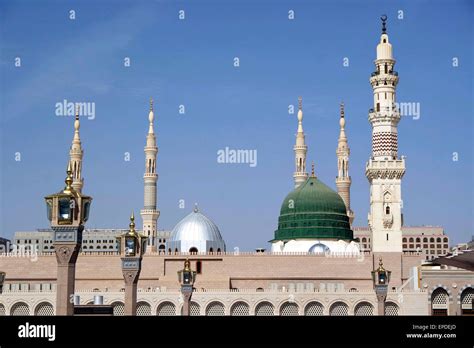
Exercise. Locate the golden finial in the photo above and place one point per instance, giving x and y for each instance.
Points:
(187, 265)
(380, 265)
(77, 111)
(342, 109)
(69, 179)
(151, 104)
(384, 23)
(300, 103)
(312, 169)
(132, 223)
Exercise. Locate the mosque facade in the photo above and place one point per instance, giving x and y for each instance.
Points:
(318, 263)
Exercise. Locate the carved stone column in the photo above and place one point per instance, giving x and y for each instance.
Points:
(66, 256)
(131, 271)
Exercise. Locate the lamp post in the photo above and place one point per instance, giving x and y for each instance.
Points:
(67, 211)
(186, 277)
(381, 279)
(132, 248)
(2, 280)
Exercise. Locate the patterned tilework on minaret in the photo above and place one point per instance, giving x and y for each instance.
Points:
(385, 169)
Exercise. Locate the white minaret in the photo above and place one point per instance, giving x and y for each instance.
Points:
(385, 169)
(343, 180)
(75, 156)
(300, 149)
(149, 212)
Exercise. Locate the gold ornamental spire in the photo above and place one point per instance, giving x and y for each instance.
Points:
(187, 265)
(380, 269)
(69, 179)
(132, 223)
(312, 170)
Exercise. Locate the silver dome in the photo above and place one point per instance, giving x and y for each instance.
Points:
(196, 231)
(319, 248)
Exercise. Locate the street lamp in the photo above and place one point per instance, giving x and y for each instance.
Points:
(186, 278)
(381, 279)
(67, 212)
(132, 248)
(2, 280)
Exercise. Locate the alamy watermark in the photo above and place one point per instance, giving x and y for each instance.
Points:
(67, 108)
(237, 156)
(410, 109)
(17, 250)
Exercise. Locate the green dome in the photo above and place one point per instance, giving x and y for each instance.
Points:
(313, 210)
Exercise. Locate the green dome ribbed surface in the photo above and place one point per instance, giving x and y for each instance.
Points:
(313, 210)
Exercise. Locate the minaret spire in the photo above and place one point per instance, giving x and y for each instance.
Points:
(384, 20)
(385, 169)
(75, 155)
(300, 149)
(343, 180)
(150, 213)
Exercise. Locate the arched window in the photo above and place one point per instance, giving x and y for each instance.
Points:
(166, 309)
(438, 240)
(385, 68)
(411, 240)
(218, 250)
(387, 210)
(439, 302)
(339, 309)
(240, 309)
(425, 240)
(431, 240)
(193, 250)
(404, 240)
(211, 250)
(364, 240)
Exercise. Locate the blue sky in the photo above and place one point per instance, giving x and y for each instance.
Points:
(190, 62)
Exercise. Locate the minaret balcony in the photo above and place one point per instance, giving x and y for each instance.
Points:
(391, 72)
(385, 169)
(385, 113)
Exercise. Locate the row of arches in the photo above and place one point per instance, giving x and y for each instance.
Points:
(425, 240)
(264, 308)
(22, 308)
(441, 297)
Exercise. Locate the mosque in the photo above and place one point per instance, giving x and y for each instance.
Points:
(317, 264)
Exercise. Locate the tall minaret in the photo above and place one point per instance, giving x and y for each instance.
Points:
(343, 180)
(149, 212)
(385, 169)
(300, 149)
(75, 155)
